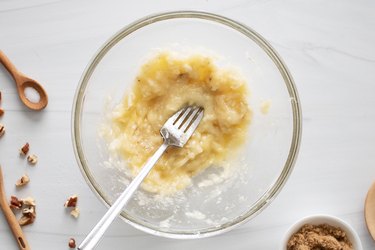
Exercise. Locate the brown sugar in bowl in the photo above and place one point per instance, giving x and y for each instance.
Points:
(325, 223)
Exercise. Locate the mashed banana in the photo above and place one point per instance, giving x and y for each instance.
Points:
(165, 84)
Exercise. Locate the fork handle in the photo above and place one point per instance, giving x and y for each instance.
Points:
(97, 232)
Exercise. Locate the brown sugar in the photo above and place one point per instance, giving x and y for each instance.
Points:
(319, 237)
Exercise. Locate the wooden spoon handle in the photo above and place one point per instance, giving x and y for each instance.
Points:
(10, 67)
(11, 219)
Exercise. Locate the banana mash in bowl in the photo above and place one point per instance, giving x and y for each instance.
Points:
(239, 157)
(165, 84)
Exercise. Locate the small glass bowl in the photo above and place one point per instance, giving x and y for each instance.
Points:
(262, 165)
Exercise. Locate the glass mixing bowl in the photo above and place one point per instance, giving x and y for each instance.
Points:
(218, 200)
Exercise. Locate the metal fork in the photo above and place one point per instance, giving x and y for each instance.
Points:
(176, 132)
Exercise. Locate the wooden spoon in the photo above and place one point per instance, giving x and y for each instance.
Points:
(11, 219)
(24, 82)
(370, 210)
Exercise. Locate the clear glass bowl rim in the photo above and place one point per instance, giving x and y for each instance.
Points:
(269, 195)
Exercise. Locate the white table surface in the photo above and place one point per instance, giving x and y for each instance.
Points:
(329, 46)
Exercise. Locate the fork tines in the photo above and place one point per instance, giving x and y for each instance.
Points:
(187, 117)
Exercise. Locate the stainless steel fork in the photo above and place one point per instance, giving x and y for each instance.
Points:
(176, 132)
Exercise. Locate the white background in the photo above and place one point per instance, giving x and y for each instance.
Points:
(329, 47)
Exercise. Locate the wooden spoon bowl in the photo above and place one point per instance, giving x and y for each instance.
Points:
(23, 82)
(30, 83)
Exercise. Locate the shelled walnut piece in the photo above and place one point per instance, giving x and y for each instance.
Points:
(75, 212)
(72, 243)
(28, 213)
(321, 236)
(28, 209)
(32, 159)
(25, 149)
(15, 202)
(71, 202)
(23, 181)
(28, 216)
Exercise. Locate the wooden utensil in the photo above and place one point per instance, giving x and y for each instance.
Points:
(11, 219)
(370, 210)
(24, 82)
